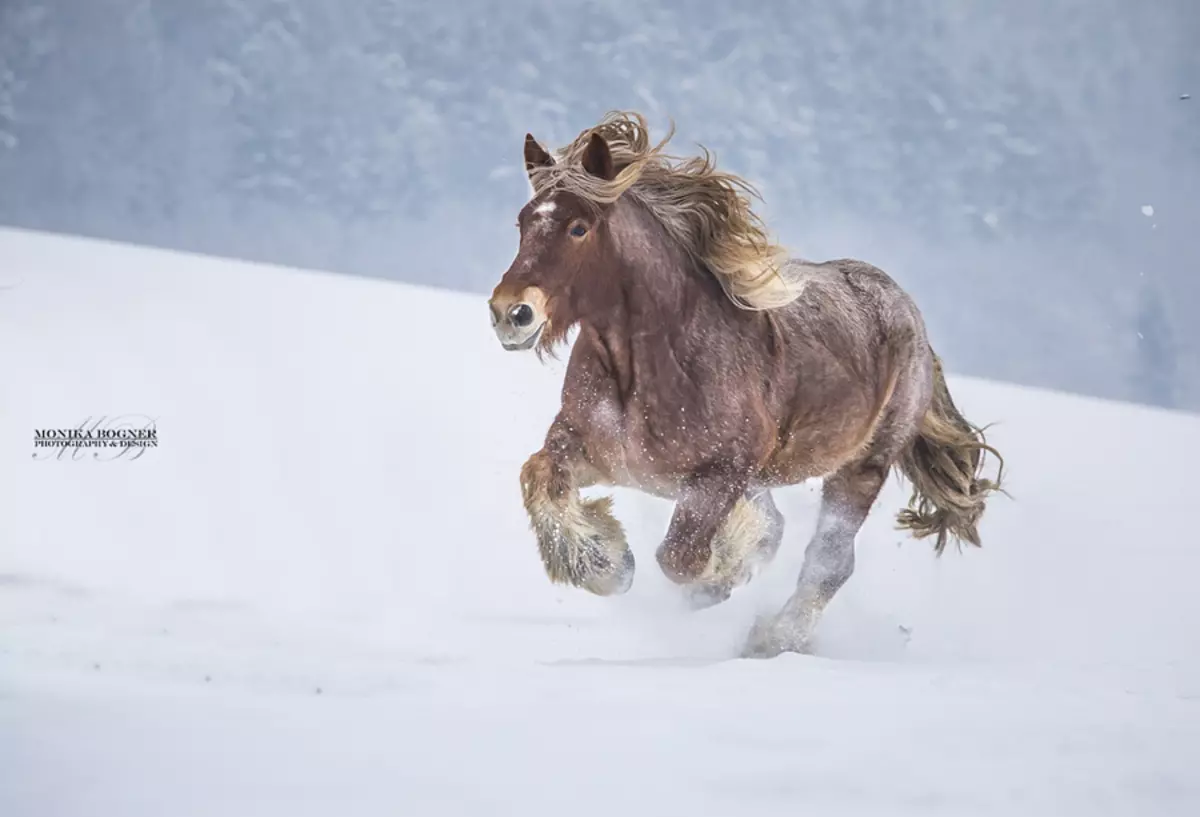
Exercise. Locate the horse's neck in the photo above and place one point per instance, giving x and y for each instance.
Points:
(656, 277)
(658, 304)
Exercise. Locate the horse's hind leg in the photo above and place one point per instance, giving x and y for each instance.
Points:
(828, 560)
(747, 541)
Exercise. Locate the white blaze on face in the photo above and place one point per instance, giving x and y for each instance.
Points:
(543, 214)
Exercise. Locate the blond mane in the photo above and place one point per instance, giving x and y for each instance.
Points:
(708, 211)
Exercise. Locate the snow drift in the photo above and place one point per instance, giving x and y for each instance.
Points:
(319, 593)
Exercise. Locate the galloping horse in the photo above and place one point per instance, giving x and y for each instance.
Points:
(709, 368)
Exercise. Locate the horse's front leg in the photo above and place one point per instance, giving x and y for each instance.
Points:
(580, 542)
(703, 507)
(747, 540)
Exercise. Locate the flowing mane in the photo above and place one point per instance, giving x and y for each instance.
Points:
(708, 211)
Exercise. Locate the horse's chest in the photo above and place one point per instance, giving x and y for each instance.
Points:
(635, 447)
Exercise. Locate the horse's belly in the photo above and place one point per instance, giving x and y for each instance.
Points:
(813, 449)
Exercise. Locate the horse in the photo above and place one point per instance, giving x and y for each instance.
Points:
(710, 367)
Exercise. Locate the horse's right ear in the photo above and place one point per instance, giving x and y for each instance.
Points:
(536, 155)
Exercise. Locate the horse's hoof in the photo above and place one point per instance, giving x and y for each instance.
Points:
(707, 594)
(759, 642)
(615, 582)
(767, 640)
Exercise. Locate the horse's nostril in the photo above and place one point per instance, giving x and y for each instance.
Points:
(521, 315)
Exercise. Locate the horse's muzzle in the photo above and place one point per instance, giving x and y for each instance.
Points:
(514, 342)
(518, 324)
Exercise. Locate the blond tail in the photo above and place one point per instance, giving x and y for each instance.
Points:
(943, 463)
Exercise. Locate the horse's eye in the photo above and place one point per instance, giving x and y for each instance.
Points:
(578, 230)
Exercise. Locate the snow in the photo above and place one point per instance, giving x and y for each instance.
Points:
(319, 593)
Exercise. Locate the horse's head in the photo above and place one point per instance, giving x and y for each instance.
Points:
(562, 243)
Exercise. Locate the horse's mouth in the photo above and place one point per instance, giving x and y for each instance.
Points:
(528, 343)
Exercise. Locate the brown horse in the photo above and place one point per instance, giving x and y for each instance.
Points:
(710, 368)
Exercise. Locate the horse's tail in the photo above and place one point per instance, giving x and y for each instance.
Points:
(943, 462)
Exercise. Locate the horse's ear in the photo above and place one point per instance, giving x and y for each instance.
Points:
(597, 158)
(535, 154)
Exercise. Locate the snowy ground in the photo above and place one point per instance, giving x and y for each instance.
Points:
(319, 594)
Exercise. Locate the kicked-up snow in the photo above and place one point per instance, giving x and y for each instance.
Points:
(319, 593)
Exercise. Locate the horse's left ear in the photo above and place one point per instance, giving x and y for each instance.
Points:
(535, 154)
(597, 158)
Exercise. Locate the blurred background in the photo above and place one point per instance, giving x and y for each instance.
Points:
(1030, 171)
